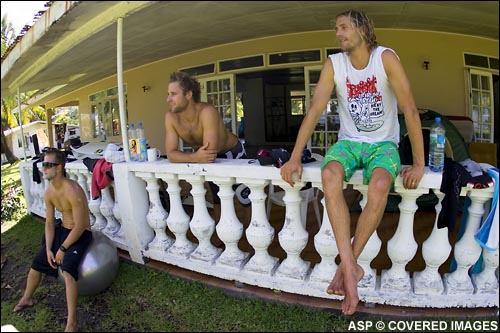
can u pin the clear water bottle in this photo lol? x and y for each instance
(142, 150)
(437, 142)
(132, 142)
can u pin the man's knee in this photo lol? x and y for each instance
(333, 172)
(381, 180)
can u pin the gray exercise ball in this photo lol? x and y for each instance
(99, 266)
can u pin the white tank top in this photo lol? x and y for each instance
(368, 107)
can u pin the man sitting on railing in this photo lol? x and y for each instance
(199, 125)
(370, 83)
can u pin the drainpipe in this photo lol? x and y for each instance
(121, 96)
(21, 122)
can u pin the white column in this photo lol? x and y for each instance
(178, 220)
(402, 247)
(259, 233)
(229, 228)
(117, 215)
(202, 224)
(156, 216)
(88, 177)
(467, 250)
(325, 244)
(486, 282)
(370, 251)
(435, 250)
(95, 208)
(106, 207)
(82, 181)
(293, 236)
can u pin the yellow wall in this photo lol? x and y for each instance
(441, 88)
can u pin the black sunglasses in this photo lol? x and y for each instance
(49, 165)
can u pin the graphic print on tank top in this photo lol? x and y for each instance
(365, 104)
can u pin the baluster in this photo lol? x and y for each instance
(34, 196)
(325, 244)
(229, 228)
(402, 247)
(83, 184)
(178, 220)
(100, 221)
(259, 233)
(435, 251)
(117, 214)
(202, 224)
(293, 237)
(106, 207)
(371, 249)
(486, 282)
(467, 250)
(93, 218)
(156, 216)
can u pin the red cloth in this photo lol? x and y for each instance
(100, 178)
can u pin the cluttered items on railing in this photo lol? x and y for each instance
(90, 150)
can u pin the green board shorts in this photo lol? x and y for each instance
(367, 156)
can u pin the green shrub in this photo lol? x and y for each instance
(11, 200)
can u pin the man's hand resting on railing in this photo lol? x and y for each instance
(411, 176)
(289, 168)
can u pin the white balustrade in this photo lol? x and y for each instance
(229, 228)
(435, 250)
(293, 236)
(370, 251)
(178, 220)
(402, 247)
(467, 250)
(144, 229)
(325, 244)
(202, 224)
(259, 233)
(157, 216)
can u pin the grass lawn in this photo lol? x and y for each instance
(142, 299)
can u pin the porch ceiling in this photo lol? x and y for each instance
(160, 29)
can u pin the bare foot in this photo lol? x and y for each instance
(336, 287)
(23, 304)
(351, 299)
(71, 328)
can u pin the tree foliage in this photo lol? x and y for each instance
(9, 107)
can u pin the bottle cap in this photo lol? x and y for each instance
(438, 119)
(139, 123)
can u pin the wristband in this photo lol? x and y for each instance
(62, 248)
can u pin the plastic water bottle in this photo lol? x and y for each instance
(437, 142)
(132, 142)
(142, 150)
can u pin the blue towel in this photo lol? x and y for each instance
(487, 235)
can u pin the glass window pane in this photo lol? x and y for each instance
(475, 97)
(474, 81)
(485, 99)
(224, 85)
(485, 83)
(226, 98)
(212, 99)
(211, 86)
